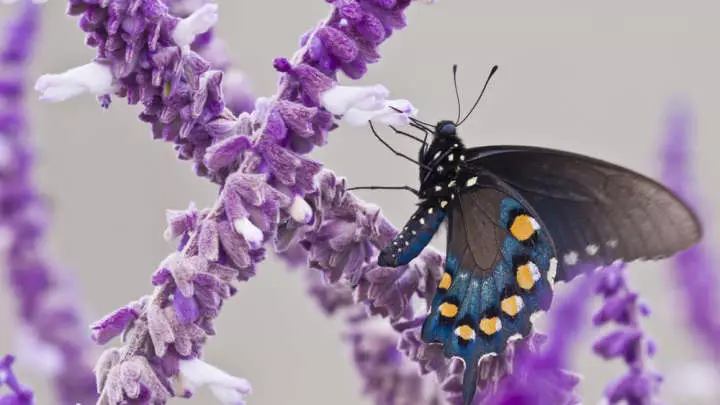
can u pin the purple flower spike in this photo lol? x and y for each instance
(694, 269)
(52, 336)
(18, 395)
(269, 190)
(621, 306)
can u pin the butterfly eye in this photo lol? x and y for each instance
(447, 129)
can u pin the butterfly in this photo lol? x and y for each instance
(521, 218)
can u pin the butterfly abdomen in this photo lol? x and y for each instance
(414, 236)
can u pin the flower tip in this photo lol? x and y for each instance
(252, 234)
(282, 65)
(229, 389)
(300, 210)
(93, 78)
(195, 24)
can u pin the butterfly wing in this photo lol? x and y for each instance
(496, 276)
(595, 211)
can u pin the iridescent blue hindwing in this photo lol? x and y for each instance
(496, 276)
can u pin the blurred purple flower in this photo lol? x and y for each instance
(18, 395)
(51, 335)
(694, 269)
(622, 306)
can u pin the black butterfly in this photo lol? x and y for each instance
(519, 219)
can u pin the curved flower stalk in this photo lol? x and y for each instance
(235, 86)
(694, 269)
(18, 395)
(623, 307)
(52, 334)
(145, 54)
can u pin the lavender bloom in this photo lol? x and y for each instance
(236, 88)
(19, 395)
(693, 269)
(621, 306)
(52, 336)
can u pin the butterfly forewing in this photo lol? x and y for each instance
(595, 212)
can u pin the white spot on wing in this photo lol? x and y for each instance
(535, 224)
(612, 243)
(592, 249)
(438, 188)
(552, 270)
(437, 154)
(451, 184)
(534, 271)
(450, 157)
(443, 204)
(422, 221)
(571, 258)
(430, 210)
(471, 181)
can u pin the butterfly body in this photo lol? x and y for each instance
(520, 218)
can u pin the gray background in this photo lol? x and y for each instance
(590, 77)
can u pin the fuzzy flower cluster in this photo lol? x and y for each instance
(144, 54)
(52, 335)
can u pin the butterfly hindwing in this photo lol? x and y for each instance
(495, 277)
(595, 211)
(416, 234)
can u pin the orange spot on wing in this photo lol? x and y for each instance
(465, 332)
(448, 310)
(445, 281)
(511, 305)
(523, 227)
(525, 276)
(489, 325)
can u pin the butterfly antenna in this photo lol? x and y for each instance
(457, 93)
(492, 72)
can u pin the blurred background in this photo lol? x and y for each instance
(594, 78)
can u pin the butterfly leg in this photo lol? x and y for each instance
(407, 188)
(393, 150)
(411, 136)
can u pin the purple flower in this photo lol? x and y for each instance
(694, 269)
(621, 306)
(268, 187)
(19, 395)
(52, 338)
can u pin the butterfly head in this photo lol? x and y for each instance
(445, 129)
